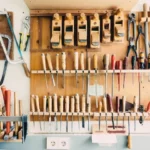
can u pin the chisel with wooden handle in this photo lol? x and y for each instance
(83, 110)
(50, 109)
(82, 68)
(88, 79)
(77, 102)
(76, 66)
(113, 68)
(57, 68)
(33, 108)
(63, 55)
(61, 109)
(72, 111)
(55, 110)
(44, 108)
(99, 110)
(67, 111)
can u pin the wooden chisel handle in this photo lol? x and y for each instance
(61, 104)
(82, 61)
(135, 102)
(104, 104)
(124, 103)
(106, 61)
(77, 101)
(3, 89)
(100, 106)
(89, 64)
(49, 61)
(49, 104)
(129, 141)
(44, 103)
(145, 9)
(63, 54)
(55, 103)
(20, 108)
(16, 109)
(110, 103)
(95, 62)
(57, 61)
(83, 104)
(67, 104)
(32, 103)
(43, 61)
(37, 103)
(76, 65)
(72, 104)
(113, 62)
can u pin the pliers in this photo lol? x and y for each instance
(131, 46)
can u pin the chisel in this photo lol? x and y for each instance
(113, 68)
(99, 110)
(55, 110)
(38, 109)
(129, 135)
(124, 108)
(148, 67)
(33, 108)
(89, 111)
(61, 107)
(44, 108)
(82, 68)
(96, 68)
(133, 63)
(83, 110)
(72, 111)
(44, 68)
(57, 68)
(125, 66)
(105, 109)
(88, 79)
(117, 109)
(76, 66)
(49, 109)
(49, 62)
(67, 111)
(63, 55)
(135, 102)
(77, 102)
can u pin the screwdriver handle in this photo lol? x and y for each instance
(133, 62)
(135, 102)
(149, 61)
(20, 108)
(89, 63)
(57, 61)
(32, 104)
(113, 62)
(145, 9)
(61, 104)
(89, 105)
(117, 104)
(82, 61)
(83, 103)
(49, 61)
(55, 102)
(125, 63)
(124, 103)
(49, 104)
(16, 109)
(72, 104)
(106, 61)
(100, 106)
(95, 62)
(63, 55)
(67, 104)
(120, 65)
(44, 103)
(129, 142)
(37, 103)
(76, 65)
(104, 104)
(77, 103)
(43, 61)
(109, 100)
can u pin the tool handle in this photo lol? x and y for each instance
(145, 9)
(16, 111)
(49, 61)
(109, 100)
(141, 60)
(76, 65)
(124, 103)
(89, 63)
(49, 104)
(77, 101)
(44, 103)
(37, 103)
(55, 102)
(32, 104)
(63, 55)
(57, 61)
(120, 64)
(125, 63)
(82, 61)
(113, 62)
(129, 142)
(89, 105)
(106, 61)
(61, 104)
(43, 61)
(104, 104)
(83, 103)
(117, 104)
(72, 104)
(3, 89)
(135, 102)
(67, 104)
(26, 69)
(95, 62)
(20, 108)
(133, 62)
(100, 106)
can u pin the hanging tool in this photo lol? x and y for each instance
(57, 68)
(132, 20)
(63, 55)
(105, 109)
(61, 107)
(149, 67)
(44, 108)
(125, 66)
(117, 109)
(77, 102)
(123, 107)
(33, 108)
(76, 66)
(55, 110)
(119, 67)
(89, 111)
(88, 79)
(99, 110)
(49, 109)
(83, 110)
(67, 111)
(133, 63)
(135, 102)
(38, 109)
(96, 68)
(82, 68)
(129, 135)
(49, 62)
(44, 68)
(72, 111)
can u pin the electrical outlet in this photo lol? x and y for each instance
(64, 143)
(52, 143)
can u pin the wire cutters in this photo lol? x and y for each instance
(131, 46)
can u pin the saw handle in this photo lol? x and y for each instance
(82, 61)
(57, 61)
(49, 61)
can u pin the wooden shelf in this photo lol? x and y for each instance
(11, 141)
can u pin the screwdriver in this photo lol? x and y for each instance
(99, 110)
(135, 110)
(149, 67)
(89, 111)
(55, 110)
(125, 66)
(83, 110)
(57, 68)
(124, 107)
(44, 108)
(78, 108)
(105, 110)
(32, 108)
(119, 67)
(61, 103)
(67, 111)
(133, 63)
(72, 111)
(82, 68)
(38, 109)
(76, 67)
(50, 109)
(117, 109)
(129, 135)
(63, 54)
(49, 62)
(96, 67)
(44, 68)
(88, 79)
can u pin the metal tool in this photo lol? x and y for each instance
(82, 68)
(38, 109)
(50, 66)
(72, 111)
(61, 109)
(148, 67)
(119, 67)
(135, 110)
(44, 108)
(76, 66)
(124, 107)
(88, 79)
(117, 109)
(44, 68)
(132, 20)
(77, 102)
(89, 111)
(33, 108)
(129, 135)
(105, 110)
(67, 111)
(113, 68)
(133, 63)
(125, 66)
(55, 110)
(96, 68)
(49, 109)
(99, 110)
(57, 68)
(63, 55)
(83, 110)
